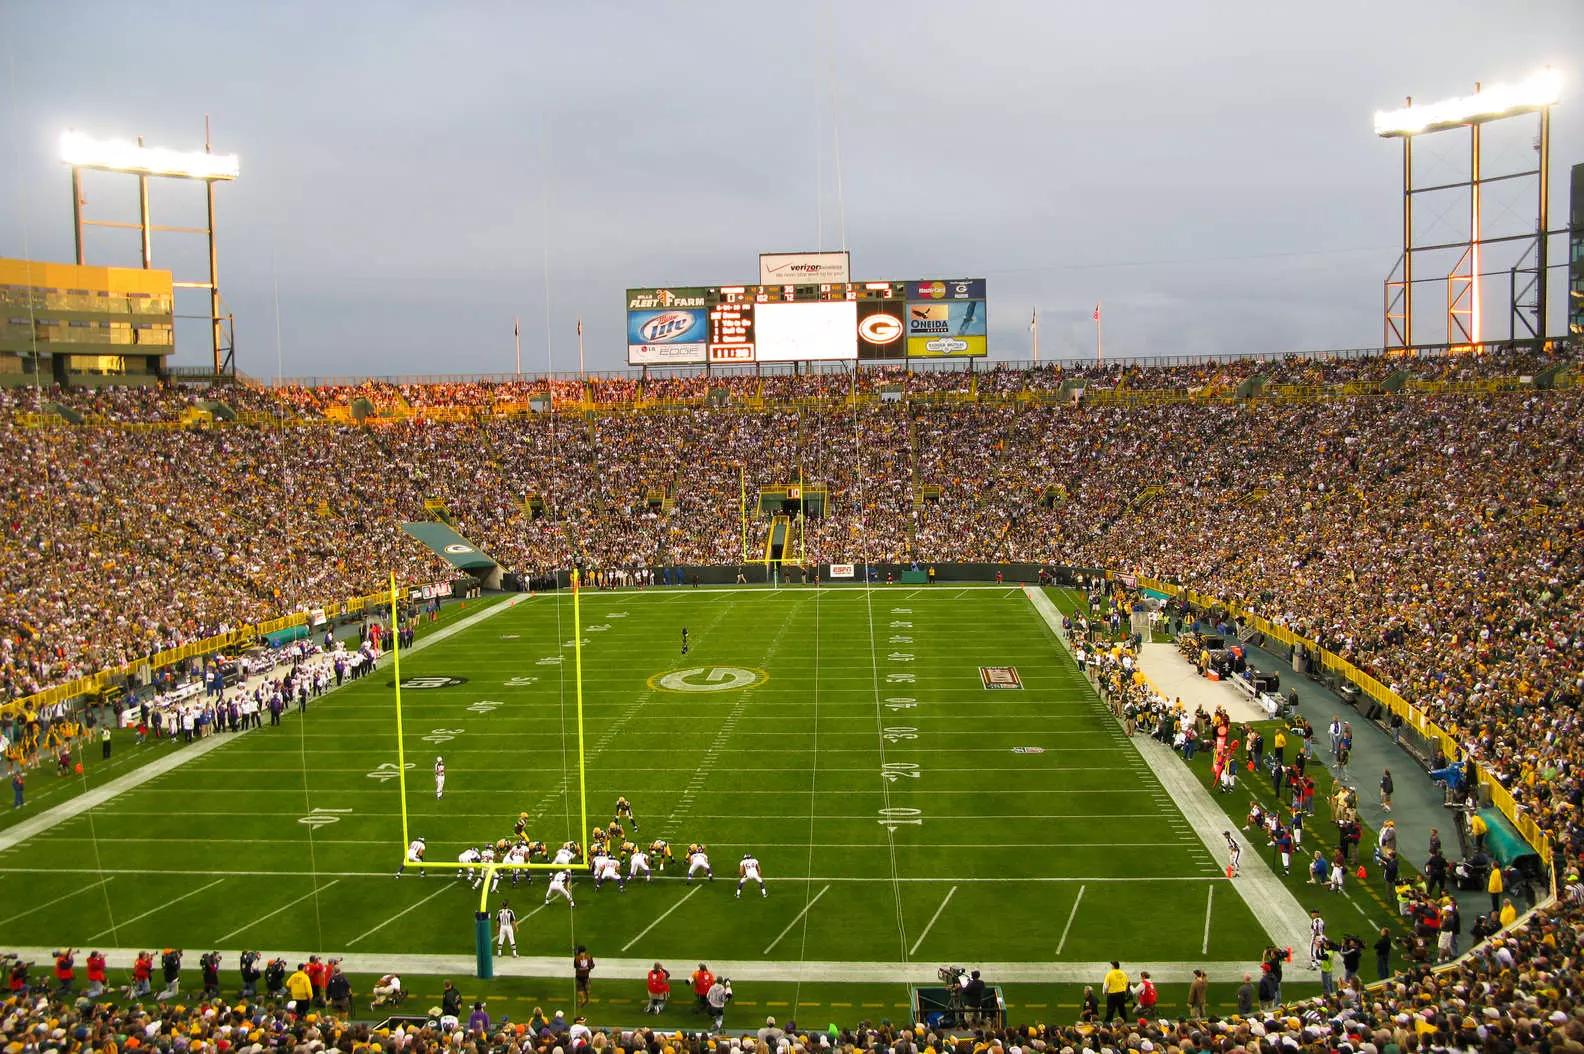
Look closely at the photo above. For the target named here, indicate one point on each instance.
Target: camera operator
(209, 968)
(96, 975)
(170, 964)
(973, 991)
(1273, 960)
(65, 974)
(1352, 953)
(275, 978)
(17, 978)
(142, 971)
(250, 974)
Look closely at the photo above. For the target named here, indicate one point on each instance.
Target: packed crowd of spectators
(1431, 539)
(310, 399)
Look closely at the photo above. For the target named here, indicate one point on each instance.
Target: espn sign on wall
(804, 268)
(841, 570)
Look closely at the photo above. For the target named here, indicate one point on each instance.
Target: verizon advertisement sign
(804, 268)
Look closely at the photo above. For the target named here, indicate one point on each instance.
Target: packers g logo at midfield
(708, 679)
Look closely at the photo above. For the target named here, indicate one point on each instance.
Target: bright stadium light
(1489, 104)
(119, 155)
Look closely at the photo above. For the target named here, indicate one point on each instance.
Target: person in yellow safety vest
(300, 989)
(1495, 887)
(1478, 829)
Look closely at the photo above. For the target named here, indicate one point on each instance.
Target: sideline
(56, 815)
(1272, 903)
(809, 971)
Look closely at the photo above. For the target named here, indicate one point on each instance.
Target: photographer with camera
(17, 978)
(65, 972)
(142, 972)
(250, 974)
(209, 969)
(96, 975)
(170, 964)
(275, 978)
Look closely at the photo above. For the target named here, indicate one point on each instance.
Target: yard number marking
(897, 816)
(386, 771)
(442, 735)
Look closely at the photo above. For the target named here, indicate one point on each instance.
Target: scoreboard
(863, 321)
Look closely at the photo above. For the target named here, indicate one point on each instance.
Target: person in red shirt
(702, 981)
(96, 975)
(659, 989)
(317, 974)
(142, 971)
(65, 975)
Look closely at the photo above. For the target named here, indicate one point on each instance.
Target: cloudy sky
(416, 175)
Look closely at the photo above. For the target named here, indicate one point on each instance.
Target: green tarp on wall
(451, 546)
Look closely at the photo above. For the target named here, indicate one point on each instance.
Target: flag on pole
(515, 331)
(1097, 311)
(580, 325)
(1034, 320)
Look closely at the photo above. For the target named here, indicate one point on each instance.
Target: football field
(923, 773)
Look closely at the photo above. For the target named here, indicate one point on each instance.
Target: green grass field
(865, 764)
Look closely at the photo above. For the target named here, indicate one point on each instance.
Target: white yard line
(158, 907)
(1073, 914)
(66, 810)
(1209, 902)
(399, 914)
(57, 900)
(265, 918)
(913, 594)
(1360, 910)
(795, 919)
(664, 915)
(931, 923)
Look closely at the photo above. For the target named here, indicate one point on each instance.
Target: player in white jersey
(748, 871)
(1234, 853)
(564, 856)
(507, 919)
(415, 855)
(518, 854)
(561, 882)
(439, 778)
(698, 860)
(467, 856)
(1317, 939)
(608, 867)
(639, 863)
(486, 856)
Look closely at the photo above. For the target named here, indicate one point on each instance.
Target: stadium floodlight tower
(1527, 275)
(118, 155)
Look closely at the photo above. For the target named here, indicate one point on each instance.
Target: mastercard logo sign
(880, 329)
(931, 290)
